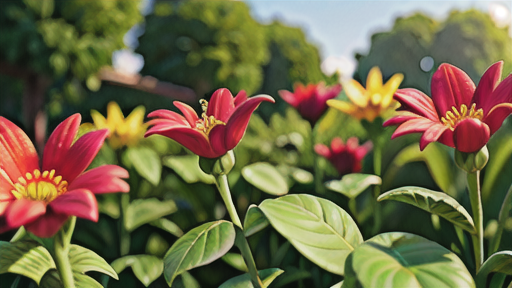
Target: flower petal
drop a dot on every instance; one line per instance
(362, 150)
(401, 118)
(389, 89)
(289, 97)
(322, 150)
(356, 93)
(217, 139)
(451, 87)
(470, 135)
(240, 98)
(103, 179)
(432, 134)
(5, 186)
(22, 211)
(413, 126)
(337, 145)
(192, 139)
(497, 115)
(80, 155)
(221, 105)
(48, 224)
(237, 122)
(59, 143)
(345, 107)
(417, 102)
(115, 116)
(80, 203)
(374, 80)
(169, 115)
(17, 153)
(188, 112)
(99, 120)
(486, 86)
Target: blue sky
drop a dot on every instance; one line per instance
(341, 28)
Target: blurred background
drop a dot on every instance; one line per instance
(63, 57)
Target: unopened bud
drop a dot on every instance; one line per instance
(218, 166)
(472, 162)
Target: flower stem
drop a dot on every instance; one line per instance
(124, 235)
(377, 167)
(61, 253)
(476, 206)
(317, 172)
(222, 184)
(243, 245)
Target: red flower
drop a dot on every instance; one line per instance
(458, 115)
(42, 197)
(310, 100)
(220, 128)
(345, 158)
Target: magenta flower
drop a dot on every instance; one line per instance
(220, 128)
(42, 197)
(345, 158)
(458, 115)
(310, 100)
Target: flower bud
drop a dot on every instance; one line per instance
(472, 162)
(218, 166)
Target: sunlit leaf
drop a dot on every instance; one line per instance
(200, 246)
(143, 211)
(265, 177)
(26, 258)
(254, 221)
(352, 185)
(244, 281)
(438, 203)
(146, 162)
(236, 261)
(84, 260)
(188, 168)
(167, 225)
(500, 262)
(147, 268)
(52, 280)
(317, 228)
(404, 260)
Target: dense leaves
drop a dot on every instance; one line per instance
(26, 258)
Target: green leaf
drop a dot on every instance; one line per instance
(337, 285)
(236, 261)
(188, 168)
(404, 260)
(500, 262)
(167, 225)
(244, 281)
(84, 260)
(147, 268)
(200, 246)
(497, 164)
(438, 203)
(143, 211)
(26, 258)
(146, 162)
(265, 177)
(254, 221)
(52, 280)
(317, 228)
(352, 185)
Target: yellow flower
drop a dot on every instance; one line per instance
(123, 131)
(371, 102)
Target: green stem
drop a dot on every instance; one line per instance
(61, 253)
(124, 235)
(222, 184)
(243, 245)
(505, 210)
(377, 166)
(317, 172)
(476, 206)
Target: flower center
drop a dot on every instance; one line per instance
(40, 186)
(452, 118)
(206, 123)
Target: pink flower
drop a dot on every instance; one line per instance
(345, 158)
(310, 100)
(458, 115)
(42, 197)
(219, 129)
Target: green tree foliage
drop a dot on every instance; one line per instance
(469, 40)
(204, 45)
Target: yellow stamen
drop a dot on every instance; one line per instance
(39, 186)
(207, 123)
(452, 118)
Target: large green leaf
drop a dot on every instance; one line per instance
(438, 203)
(52, 280)
(146, 162)
(498, 262)
(26, 258)
(188, 168)
(404, 260)
(143, 211)
(84, 260)
(318, 228)
(266, 178)
(254, 221)
(147, 268)
(352, 185)
(244, 281)
(198, 247)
